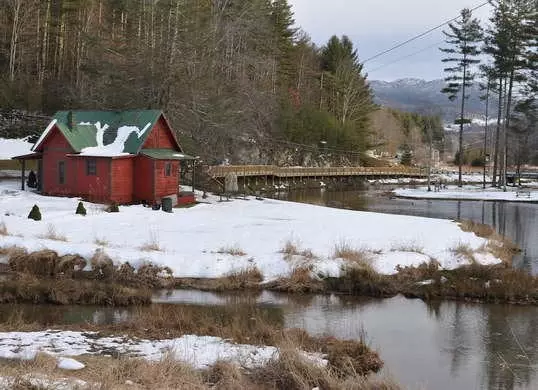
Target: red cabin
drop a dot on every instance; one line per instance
(110, 156)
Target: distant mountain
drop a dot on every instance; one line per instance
(425, 97)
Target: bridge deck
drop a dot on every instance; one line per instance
(272, 170)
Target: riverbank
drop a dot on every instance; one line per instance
(241, 345)
(471, 193)
(217, 239)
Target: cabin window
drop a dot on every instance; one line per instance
(91, 167)
(61, 172)
(168, 169)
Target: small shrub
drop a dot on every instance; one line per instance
(290, 248)
(113, 208)
(81, 210)
(3, 229)
(35, 214)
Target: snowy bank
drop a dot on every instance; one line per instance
(469, 193)
(197, 351)
(215, 238)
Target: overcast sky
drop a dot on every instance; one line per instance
(375, 25)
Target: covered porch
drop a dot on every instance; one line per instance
(22, 159)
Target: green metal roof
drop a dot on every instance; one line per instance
(165, 154)
(80, 127)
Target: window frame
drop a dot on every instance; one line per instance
(61, 172)
(168, 169)
(91, 167)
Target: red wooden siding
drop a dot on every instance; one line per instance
(143, 178)
(160, 137)
(55, 149)
(166, 185)
(122, 180)
(92, 187)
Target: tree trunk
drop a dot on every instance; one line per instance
(497, 134)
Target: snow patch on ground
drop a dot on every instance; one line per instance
(468, 193)
(69, 364)
(191, 238)
(14, 147)
(198, 351)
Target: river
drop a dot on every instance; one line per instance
(438, 345)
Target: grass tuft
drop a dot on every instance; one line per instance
(465, 252)
(234, 250)
(100, 241)
(3, 229)
(152, 244)
(52, 234)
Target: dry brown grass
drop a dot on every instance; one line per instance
(234, 250)
(3, 229)
(152, 245)
(29, 289)
(414, 248)
(100, 241)
(300, 281)
(290, 248)
(360, 257)
(465, 252)
(480, 229)
(243, 279)
(52, 234)
(501, 247)
(290, 371)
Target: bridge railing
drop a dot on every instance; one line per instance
(272, 170)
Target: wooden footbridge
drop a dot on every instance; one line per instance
(273, 171)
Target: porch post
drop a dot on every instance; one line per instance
(23, 173)
(193, 169)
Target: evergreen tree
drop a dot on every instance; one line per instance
(507, 41)
(463, 51)
(81, 210)
(35, 213)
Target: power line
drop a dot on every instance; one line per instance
(421, 34)
(405, 57)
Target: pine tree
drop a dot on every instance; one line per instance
(35, 214)
(80, 209)
(507, 42)
(463, 38)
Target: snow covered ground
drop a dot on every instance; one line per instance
(193, 241)
(469, 193)
(197, 351)
(14, 147)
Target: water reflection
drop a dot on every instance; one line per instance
(434, 345)
(514, 220)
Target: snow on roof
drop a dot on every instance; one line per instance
(45, 133)
(14, 147)
(116, 148)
